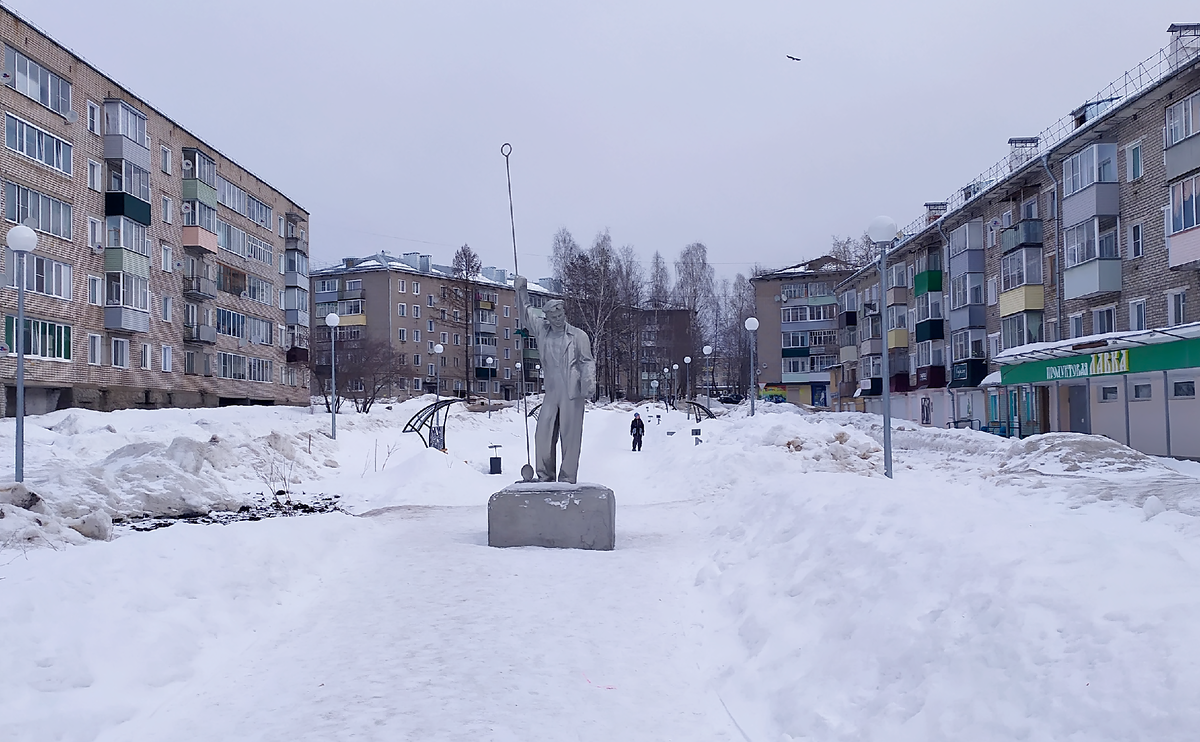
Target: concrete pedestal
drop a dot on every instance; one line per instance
(553, 514)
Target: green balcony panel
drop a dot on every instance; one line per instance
(927, 281)
(120, 260)
(795, 352)
(197, 190)
(123, 204)
(931, 329)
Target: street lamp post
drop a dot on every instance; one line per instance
(674, 381)
(687, 377)
(537, 369)
(21, 240)
(882, 231)
(520, 379)
(708, 359)
(666, 389)
(752, 325)
(489, 361)
(332, 321)
(437, 370)
(654, 386)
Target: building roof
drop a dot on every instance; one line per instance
(817, 267)
(381, 261)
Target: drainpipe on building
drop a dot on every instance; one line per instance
(1058, 249)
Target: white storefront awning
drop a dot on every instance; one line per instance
(992, 379)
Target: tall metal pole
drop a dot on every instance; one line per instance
(887, 381)
(753, 370)
(527, 470)
(20, 346)
(333, 376)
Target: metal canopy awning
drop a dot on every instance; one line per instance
(1095, 343)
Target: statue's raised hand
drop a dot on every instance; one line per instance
(520, 283)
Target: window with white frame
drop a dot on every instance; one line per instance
(37, 210)
(167, 308)
(93, 117)
(1109, 394)
(1104, 320)
(42, 275)
(168, 210)
(1083, 244)
(897, 275)
(794, 365)
(1029, 208)
(993, 345)
(145, 357)
(168, 259)
(125, 232)
(30, 141)
(430, 327)
(1076, 325)
(416, 287)
(795, 314)
(95, 343)
(41, 339)
(897, 317)
(929, 306)
(1094, 164)
(401, 310)
(966, 288)
(1142, 391)
(1176, 308)
(416, 311)
(1183, 389)
(1135, 240)
(930, 353)
(1183, 204)
(166, 360)
(993, 296)
(354, 284)
(325, 285)
(1021, 329)
(164, 159)
(968, 344)
(1183, 119)
(35, 81)
(416, 335)
(1133, 161)
(1020, 268)
(120, 353)
(401, 285)
(95, 291)
(795, 340)
(95, 175)
(1137, 314)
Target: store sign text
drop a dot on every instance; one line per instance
(1110, 362)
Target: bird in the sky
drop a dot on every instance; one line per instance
(794, 59)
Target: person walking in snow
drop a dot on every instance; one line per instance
(637, 429)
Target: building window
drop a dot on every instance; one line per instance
(120, 353)
(1104, 320)
(402, 285)
(125, 232)
(42, 275)
(40, 339)
(1142, 391)
(167, 308)
(95, 176)
(32, 142)
(1182, 119)
(231, 366)
(416, 336)
(31, 79)
(199, 214)
(401, 310)
(1135, 240)
(445, 337)
(230, 323)
(993, 295)
(897, 317)
(416, 287)
(416, 311)
(199, 166)
(1108, 394)
(94, 345)
(1181, 389)
(145, 358)
(994, 345)
(965, 289)
(354, 284)
(506, 315)
(1183, 204)
(1137, 314)
(430, 328)
(326, 285)
(95, 291)
(168, 210)
(1021, 267)
(1177, 308)
(967, 344)
(43, 213)
(1021, 329)
(402, 335)
(93, 117)
(168, 261)
(1076, 325)
(164, 160)
(1082, 244)
(1029, 208)
(1133, 161)
(1094, 164)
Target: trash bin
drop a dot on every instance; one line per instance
(495, 460)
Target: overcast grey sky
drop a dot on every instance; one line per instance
(666, 122)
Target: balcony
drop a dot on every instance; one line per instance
(900, 382)
(297, 355)
(198, 190)
(848, 354)
(125, 204)
(931, 329)
(296, 316)
(490, 306)
(931, 377)
(927, 281)
(1183, 248)
(120, 260)
(1098, 199)
(199, 334)
(897, 295)
(199, 288)
(126, 319)
(847, 319)
(969, 373)
(1183, 157)
(199, 240)
(846, 389)
(971, 315)
(872, 387)
(1023, 299)
(295, 279)
(806, 377)
(870, 347)
(1097, 276)
(295, 243)
(795, 352)
(897, 339)
(121, 147)
(1022, 234)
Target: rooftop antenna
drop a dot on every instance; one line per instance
(527, 470)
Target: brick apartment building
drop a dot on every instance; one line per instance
(413, 304)
(798, 331)
(1052, 293)
(665, 340)
(165, 274)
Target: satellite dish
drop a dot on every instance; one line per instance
(186, 208)
(777, 297)
(245, 294)
(98, 249)
(6, 77)
(785, 299)
(71, 117)
(187, 165)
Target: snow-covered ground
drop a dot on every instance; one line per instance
(768, 585)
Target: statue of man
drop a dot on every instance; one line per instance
(570, 371)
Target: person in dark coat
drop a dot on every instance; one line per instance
(637, 429)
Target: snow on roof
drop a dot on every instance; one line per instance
(1090, 343)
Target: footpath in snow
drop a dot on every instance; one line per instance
(769, 584)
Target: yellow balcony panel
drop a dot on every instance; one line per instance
(897, 339)
(1022, 299)
(349, 320)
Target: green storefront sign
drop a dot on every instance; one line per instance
(1136, 360)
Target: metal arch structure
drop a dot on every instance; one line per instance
(695, 408)
(431, 418)
(534, 412)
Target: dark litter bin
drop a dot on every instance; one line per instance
(495, 460)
